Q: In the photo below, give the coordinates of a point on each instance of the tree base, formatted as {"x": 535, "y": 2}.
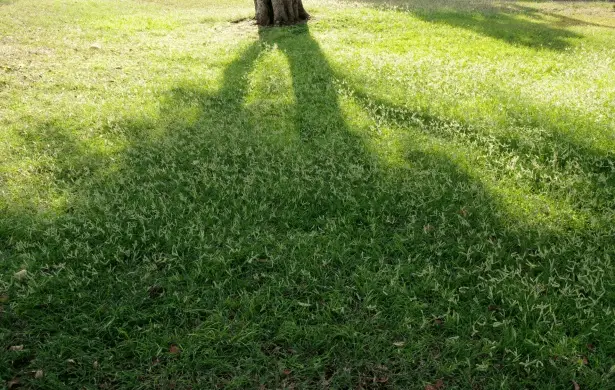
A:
{"x": 280, "y": 12}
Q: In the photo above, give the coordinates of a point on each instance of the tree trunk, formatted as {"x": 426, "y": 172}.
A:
{"x": 279, "y": 12}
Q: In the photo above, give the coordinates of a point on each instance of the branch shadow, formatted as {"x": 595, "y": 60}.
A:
{"x": 556, "y": 151}
{"x": 506, "y": 27}
{"x": 512, "y": 24}
{"x": 561, "y": 21}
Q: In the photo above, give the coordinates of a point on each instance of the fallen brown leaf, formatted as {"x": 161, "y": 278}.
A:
{"x": 39, "y": 374}
{"x": 287, "y": 371}
{"x": 399, "y": 343}
{"x": 576, "y": 385}
{"x": 21, "y": 275}
{"x": 15, "y": 348}
{"x": 174, "y": 349}
{"x": 95, "y": 365}
{"x": 384, "y": 379}
{"x": 13, "y": 383}
{"x": 439, "y": 385}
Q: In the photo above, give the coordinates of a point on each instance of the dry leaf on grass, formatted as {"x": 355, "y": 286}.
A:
{"x": 21, "y": 275}
{"x": 576, "y": 385}
{"x": 15, "y": 348}
{"x": 174, "y": 349}
{"x": 439, "y": 385}
{"x": 13, "y": 384}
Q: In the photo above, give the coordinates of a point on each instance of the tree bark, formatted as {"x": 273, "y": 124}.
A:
{"x": 279, "y": 12}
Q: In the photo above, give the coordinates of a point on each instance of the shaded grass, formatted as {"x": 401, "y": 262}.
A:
{"x": 295, "y": 207}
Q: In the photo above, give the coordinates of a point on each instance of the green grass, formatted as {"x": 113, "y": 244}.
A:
{"x": 387, "y": 196}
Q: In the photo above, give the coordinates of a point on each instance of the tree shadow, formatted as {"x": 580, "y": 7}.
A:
{"x": 556, "y": 151}
{"x": 508, "y": 23}
{"x": 273, "y": 254}
{"x": 508, "y": 27}
{"x": 561, "y": 21}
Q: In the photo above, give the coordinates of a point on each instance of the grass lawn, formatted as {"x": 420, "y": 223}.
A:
{"x": 401, "y": 196}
